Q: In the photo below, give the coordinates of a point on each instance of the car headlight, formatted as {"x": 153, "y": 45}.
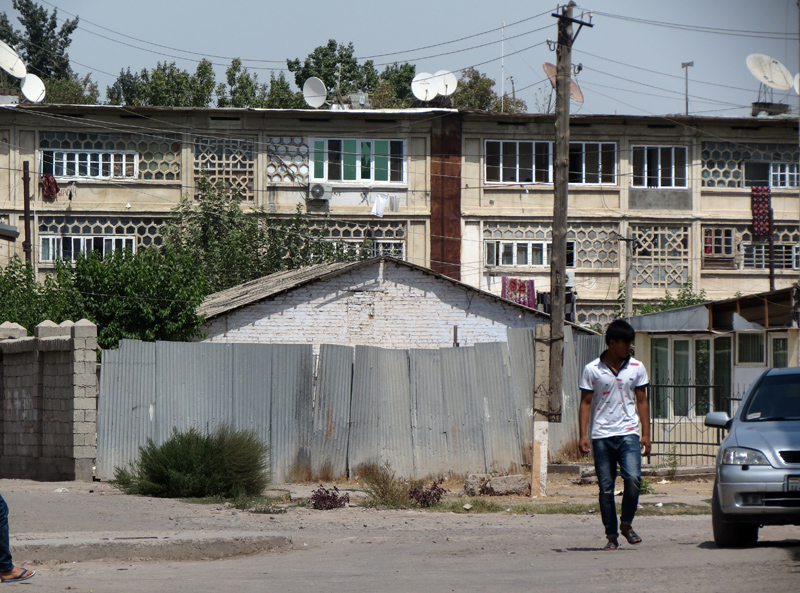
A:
{"x": 741, "y": 456}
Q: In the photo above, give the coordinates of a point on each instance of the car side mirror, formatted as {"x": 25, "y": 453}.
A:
{"x": 718, "y": 420}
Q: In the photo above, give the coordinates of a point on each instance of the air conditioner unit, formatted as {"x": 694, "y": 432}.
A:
{"x": 319, "y": 192}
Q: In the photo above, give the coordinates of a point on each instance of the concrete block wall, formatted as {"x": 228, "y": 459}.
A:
{"x": 385, "y": 305}
{"x": 48, "y": 385}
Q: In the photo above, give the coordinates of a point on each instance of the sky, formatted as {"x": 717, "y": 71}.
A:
{"x": 631, "y": 58}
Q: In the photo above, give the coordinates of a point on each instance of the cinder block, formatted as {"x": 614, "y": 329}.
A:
{"x": 48, "y": 329}
{"x": 84, "y": 329}
{"x": 84, "y": 452}
{"x": 12, "y": 331}
{"x": 79, "y": 415}
{"x": 84, "y": 403}
{"x": 90, "y": 416}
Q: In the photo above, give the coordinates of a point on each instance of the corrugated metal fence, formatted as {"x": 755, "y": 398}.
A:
{"x": 426, "y": 412}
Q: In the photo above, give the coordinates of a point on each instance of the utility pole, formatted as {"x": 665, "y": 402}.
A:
{"x": 26, "y": 187}
{"x": 628, "y": 275}
{"x": 558, "y": 261}
{"x": 685, "y": 66}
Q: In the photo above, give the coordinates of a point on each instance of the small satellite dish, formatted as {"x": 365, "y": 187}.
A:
{"x": 797, "y": 83}
{"x": 575, "y": 92}
{"x": 424, "y": 86}
{"x": 33, "y": 88}
{"x": 315, "y": 92}
{"x": 11, "y": 62}
{"x": 769, "y": 71}
{"x": 447, "y": 82}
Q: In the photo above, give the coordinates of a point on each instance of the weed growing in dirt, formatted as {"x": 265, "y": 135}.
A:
{"x": 383, "y": 489}
{"x": 227, "y": 463}
{"x": 646, "y": 486}
{"x": 426, "y": 497}
{"x": 324, "y": 499}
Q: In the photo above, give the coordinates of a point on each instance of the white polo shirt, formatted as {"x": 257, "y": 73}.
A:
{"x": 613, "y": 401}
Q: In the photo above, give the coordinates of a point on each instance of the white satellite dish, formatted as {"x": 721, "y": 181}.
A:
{"x": 33, "y": 88}
{"x": 797, "y": 83}
{"x": 447, "y": 82}
{"x": 11, "y": 62}
{"x": 315, "y": 92}
{"x": 424, "y": 86}
{"x": 769, "y": 71}
{"x": 575, "y": 92}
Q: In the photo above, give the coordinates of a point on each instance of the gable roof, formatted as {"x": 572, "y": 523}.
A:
{"x": 267, "y": 287}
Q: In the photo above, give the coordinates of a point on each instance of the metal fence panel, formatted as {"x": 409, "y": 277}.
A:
{"x": 251, "y": 400}
{"x": 521, "y": 348}
{"x": 381, "y": 410}
{"x": 291, "y": 413}
{"x": 332, "y": 412}
{"x": 127, "y": 409}
{"x": 430, "y": 416}
{"x": 497, "y": 395}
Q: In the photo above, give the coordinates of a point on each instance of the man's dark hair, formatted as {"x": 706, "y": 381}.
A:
{"x": 619, "y": 329}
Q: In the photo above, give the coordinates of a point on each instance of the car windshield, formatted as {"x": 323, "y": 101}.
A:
{"x": 777, "y": 397}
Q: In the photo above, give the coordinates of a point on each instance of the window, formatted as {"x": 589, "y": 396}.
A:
{"x": 718, "y": 242}
{"x": 518, "y": 162}
{"x": 770, "y": 174}
{"x": 786, "y": 257}
{"x": 750, "y": 348}
{"x": 659, "y": 166}
{"x": 592, "y": 162}
{"x": 523, "y": 253}
{"x": 54, "y": 247}
{"x": 358, "y": 160}
{"x": 90, "y": 164}
{"x": 780, "y": 352}
{"x": 227, "y": 161}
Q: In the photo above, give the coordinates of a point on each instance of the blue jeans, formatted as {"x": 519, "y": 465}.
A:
{"x": 5, "y": 548}
{"x": 625, "y": 451}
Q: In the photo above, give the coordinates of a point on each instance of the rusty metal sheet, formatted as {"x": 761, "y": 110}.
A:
{"x": 332, "y": 412}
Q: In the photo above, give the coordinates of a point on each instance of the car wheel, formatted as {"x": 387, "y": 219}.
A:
{"x": 727, "y": 534}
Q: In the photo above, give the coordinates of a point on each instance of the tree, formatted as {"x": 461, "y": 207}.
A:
{"x": 686, "y": 297}
{"x": 281, "y": 96}
{"x": 475, "y": 92}
{"x": 394, "y": 89}
{"x": 41, "y": 44}
{"x": 166, "y": 85}
{"x": 243, "y": 88}
{"x": 336, "y": 65}
{"x": 74, "y": 90}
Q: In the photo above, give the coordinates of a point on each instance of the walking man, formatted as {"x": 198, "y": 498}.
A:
{"x": 613, "y": 395}
{"x": 8, "y": 572}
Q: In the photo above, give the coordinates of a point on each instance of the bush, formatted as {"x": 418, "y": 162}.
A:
{"x": 323, "y": 499}
{"x": 226, "y": 463}
{"x": 384, "y": 490}
{"x": 426, "y": 497}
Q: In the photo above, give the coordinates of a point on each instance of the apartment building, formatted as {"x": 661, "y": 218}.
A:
{"x": 467, "y": 194}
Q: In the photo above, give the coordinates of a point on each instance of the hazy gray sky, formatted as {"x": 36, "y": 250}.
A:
{"x": 629, "y": 66}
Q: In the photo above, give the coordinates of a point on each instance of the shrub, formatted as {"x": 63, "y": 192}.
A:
{"x": 426, "y": 497}
{"x": 323, "y": 499}
{"x": 383, "y": 489}
{"x": 226, "y": 463}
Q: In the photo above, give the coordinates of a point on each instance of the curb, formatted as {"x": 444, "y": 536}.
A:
{"x": 585, "y": 474}
{"x": 148, "y": 548}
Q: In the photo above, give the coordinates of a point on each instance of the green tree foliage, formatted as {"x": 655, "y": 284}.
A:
{"x": 232, "y": 247}
{"x": 685, "y": 298}
{"x": 336, "y": 65}
{"x": 394, "y": 89}
{"x": 75, "y": 90}
{"x": 476, "y": 92}
{"x": 166, "y": 85}
{"x": 150, "y": 295}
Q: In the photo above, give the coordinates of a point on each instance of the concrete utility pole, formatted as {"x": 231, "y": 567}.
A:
{"x": 558, "y": 261}
{"x": 686, "y": 66}
{"x": 26, "y": 193}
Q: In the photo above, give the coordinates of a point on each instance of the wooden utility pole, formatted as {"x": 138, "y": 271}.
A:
{"x": 558, "y": 261}
{"x": 26, "y": 192}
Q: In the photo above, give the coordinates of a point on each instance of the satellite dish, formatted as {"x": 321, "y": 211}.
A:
{"x": 33, "y": 88}
{"x": 315, "y": 92}
{"x": 447, "y": 82}
{"x": 11, "y": 62}
{"x": 424, "y": 86}
{"x": 575, "y": 92}
{"x": 769, "y": 71}
{"x": 797, "y": 83}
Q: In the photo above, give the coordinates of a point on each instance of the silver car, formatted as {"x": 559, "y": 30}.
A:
{"x": 758, "y": 464}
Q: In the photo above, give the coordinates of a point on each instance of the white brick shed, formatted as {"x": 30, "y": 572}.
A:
{"x": 378, "y": 302}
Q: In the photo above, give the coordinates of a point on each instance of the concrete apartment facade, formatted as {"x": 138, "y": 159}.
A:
{"x": 467, "y": 194}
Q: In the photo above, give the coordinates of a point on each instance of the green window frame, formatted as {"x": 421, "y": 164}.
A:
{"x": 358, "y": 160}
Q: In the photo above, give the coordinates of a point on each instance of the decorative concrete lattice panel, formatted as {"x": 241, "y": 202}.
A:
{"x": 661, "y": 256}
{"x": 227, "y": 161}
{"x": 722, "y": 161}
{"x": 595, "y": 246}
{"x": 159, "y": 156}
{"x": 145, "y": 229}
{"x": 594, "y": 315}
{"x": 342, "y": 230}
{"x": 287, "y": 161}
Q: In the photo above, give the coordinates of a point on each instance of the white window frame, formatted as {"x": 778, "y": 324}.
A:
{"x": 90, "y": 164}
{"x": 784, "y": 174}
{"x": 359, "y": 163}
{"x": 592, "y": 158}
{"x": 656, "y": 157}
{"x": 537, "y": 174}
{"x": 494, "y": 249}
{"x": 756, "y": 256}
{"x": 51, "y": 247}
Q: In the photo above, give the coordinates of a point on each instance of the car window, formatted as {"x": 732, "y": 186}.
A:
{"x": 776, "y": 397}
